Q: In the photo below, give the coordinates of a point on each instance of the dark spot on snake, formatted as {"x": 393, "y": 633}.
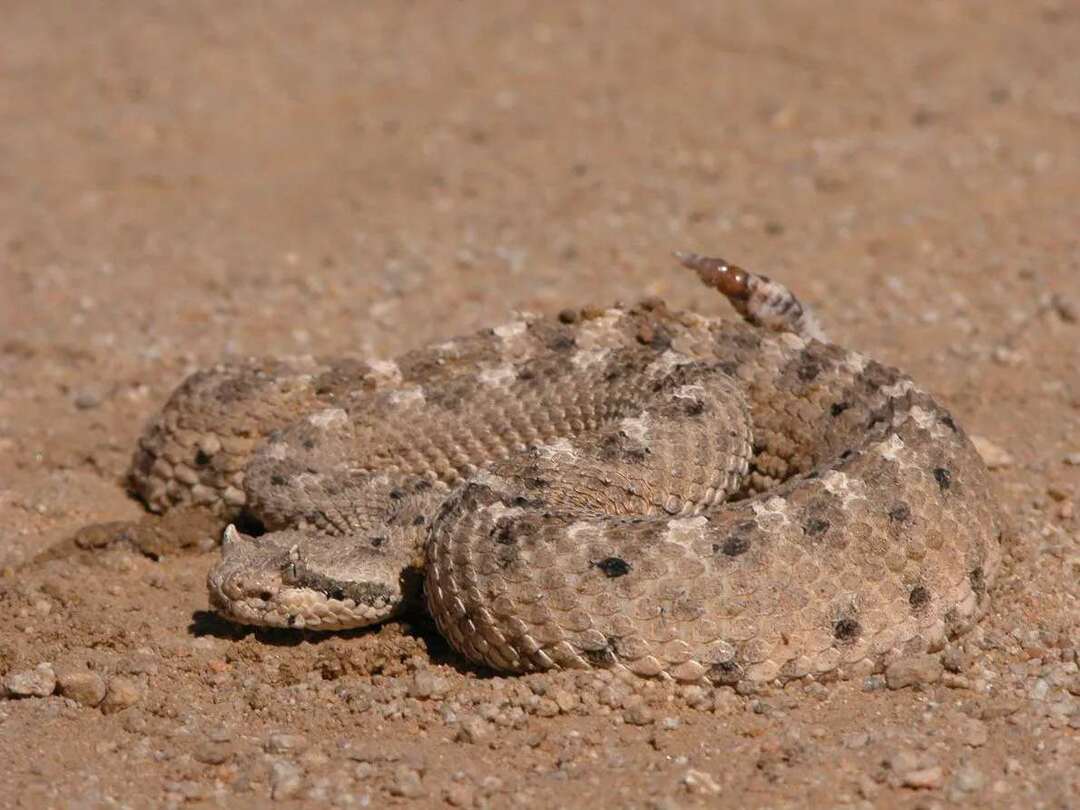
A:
{"x": 503, "y": 534}
{"x": 601, "y": 657}
{"x": 947, "y": 420}
{"x": 919, "y": 597}
{"x": 694, "y": 407}
{"x": 337, "y": 593}
{"x": 839, "y": 407}
{"x": 876, "y": 420}
{"x": 816, "y": 526}
{"x": 847, "y": 630}
{"x": 526, "y": 374}
{"x": 900, "y": 513}
{"x": 423, "y": 485}
{"x": 201, "y": 458}
{"x": 266, "y": 596}
{"x": 522, "y": 501}
{"x": 847, "y": 454}
{"x": 396, "y": 494}
{"x": 568, "y": 316}
{"x": 613, "y": 567}
{"x": 809, "y": 371}
{"x": 562, "y": 343}
{"x": 943, "y": 478}
{"x": 418, "y": 520}
{"x": 978, "y": 581}
{"x": 725, "y": 673}
{"x": 728, "y": 367}
{"x": 377, "y": 541}
{"x": 735, "y": 545}
{"x": 309, "y": 444}
{"x": 277, "y": 479}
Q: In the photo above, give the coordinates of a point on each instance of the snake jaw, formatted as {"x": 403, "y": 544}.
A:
{"x": 267, "y": 582}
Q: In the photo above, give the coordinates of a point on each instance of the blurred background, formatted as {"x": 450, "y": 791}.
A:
{"x": 179, "y": 181}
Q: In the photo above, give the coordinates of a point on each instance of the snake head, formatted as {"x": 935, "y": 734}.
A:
{"x": 293, "y": 579}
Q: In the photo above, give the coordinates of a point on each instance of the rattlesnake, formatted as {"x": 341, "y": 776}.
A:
{"x": 631, "y": 487}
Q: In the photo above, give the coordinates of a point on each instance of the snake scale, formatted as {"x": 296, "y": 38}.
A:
{"x": 708, "y": 500}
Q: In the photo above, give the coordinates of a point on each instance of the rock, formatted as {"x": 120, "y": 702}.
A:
{"x": 993, "y": 456}
{"x": 915, "y": 670}
{"x": 426, "y": 685}
{"x": 212, "y": 753}
{"x": 281, "y": 743}
{"x": 930, "y": 778}
{"x": 973, "y": 732}
{"x": 969, "y": 779}
{"x": 856, "y": 739}
{"x": 473, "y": 729}
{"x": 285, "y": 779}
{"x": 699, "y": 783}
{"x": 460, "y": 794}
{"x": 637, "y": 712}
{"x": 1073, "y": 459}
{"x": 121, "y": 693}
{"x": 82, "y": 686}
{"x": 406, "y": 783}
{"x": 37, "y": 682}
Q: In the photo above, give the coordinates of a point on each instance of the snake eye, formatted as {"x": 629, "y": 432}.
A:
{"x": 266, "y": 596}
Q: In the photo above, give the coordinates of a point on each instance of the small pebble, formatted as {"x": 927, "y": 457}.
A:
{"x": 37, "y": 682}
{"x": 1072, "y": 459}
{"x": 281, "y": 743}
{"x": 406, "y": 783}
{"x": 285, "y": 779}
{"x": 637, "y": 712}
{"x": 995, "y": 457}
{"x": 473, "y": 729}
{"x": 699, "y": 783}
{"x": 969, "y": 779}
{"x": 973, "y": 732}
{"x": 913, "y": 671}
{"x": 121, "y": 693}
{"x": 82, "y": 686}
{"x": 924, "y": 778}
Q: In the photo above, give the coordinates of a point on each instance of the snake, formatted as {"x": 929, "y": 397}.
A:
{"x": 700, "y": 499}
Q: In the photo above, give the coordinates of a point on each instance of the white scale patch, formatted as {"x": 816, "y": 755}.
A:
{"x": 329, "y": 418}
{"x": 636, "y": 428}
{"x": 385, "y": 372}
{"x": 406, "y": 396}
{"x": 891, "y": 447}
{"x": 686, "y": 531}
{"x": 559, "y": 447}
{"x": 772, "y": 513}
{"x": 897, "y": 389}
{"x": 666, "y": 363}
{"x": 928, "y": 422}
{"x": 589, "y": 357}
{"x": 507, "y": 331}
{"x": 843, "y": 486}
{"x": 855, "y": 362}
{"x": 497, "y": 376}
{"x": 792, "y": 341}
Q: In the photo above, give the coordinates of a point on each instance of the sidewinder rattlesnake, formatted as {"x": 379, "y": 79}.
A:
{"x": 632, "y": 487}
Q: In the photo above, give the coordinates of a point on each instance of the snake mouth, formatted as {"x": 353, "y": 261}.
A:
{"x": 266, "y": 583}
{"x": 301, "y": 608}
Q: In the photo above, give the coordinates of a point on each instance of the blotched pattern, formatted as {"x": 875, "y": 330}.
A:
{"x": 631, "y": 487}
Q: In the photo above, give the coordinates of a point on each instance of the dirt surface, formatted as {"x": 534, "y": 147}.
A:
{"x": 183, "y": 181}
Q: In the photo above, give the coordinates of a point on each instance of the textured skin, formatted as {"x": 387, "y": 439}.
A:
{"x": 685, "y": 497}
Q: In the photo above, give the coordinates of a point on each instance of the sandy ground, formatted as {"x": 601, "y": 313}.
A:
{"x": 182, "y": 181}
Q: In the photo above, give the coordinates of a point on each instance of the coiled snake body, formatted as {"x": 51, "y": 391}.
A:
{"x": 632, "y": 487}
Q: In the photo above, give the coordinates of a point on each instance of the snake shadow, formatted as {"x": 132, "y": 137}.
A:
{"x": 416, "y": 625}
